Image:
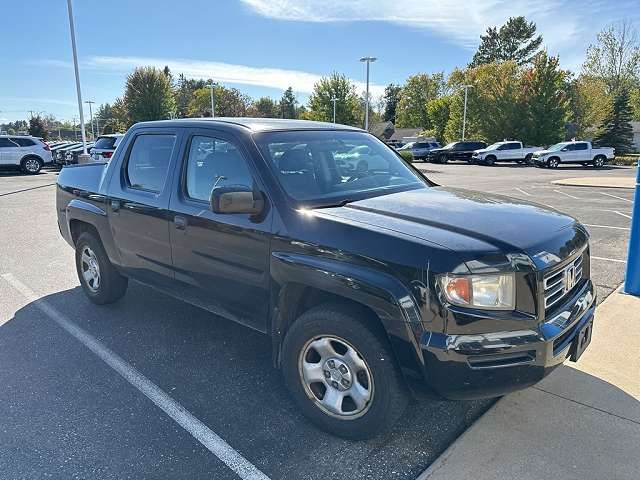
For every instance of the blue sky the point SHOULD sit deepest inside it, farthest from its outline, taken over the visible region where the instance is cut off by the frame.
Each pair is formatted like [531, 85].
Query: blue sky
[262, 46]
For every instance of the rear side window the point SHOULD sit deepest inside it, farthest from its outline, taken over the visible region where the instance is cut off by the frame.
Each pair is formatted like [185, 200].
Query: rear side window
[105, 142]
[580, 146]
[148, 161]
[214, 163]
[24, 142]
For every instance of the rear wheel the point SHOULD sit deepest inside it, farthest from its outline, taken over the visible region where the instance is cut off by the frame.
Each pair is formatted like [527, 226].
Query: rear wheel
[101, 282]
[528, 159]
[341, 374]
[31, 165]
[553, 162]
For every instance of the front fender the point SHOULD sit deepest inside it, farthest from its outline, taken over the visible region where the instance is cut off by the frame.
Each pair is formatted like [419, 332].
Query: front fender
[392, 302]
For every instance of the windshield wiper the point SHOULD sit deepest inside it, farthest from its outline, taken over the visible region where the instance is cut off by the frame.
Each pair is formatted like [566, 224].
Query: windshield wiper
[341, 203]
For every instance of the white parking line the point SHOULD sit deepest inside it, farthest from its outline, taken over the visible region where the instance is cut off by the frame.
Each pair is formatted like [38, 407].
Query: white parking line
[564, 193]
[207, 437]
[615, 196]
[522, 191]
[606, 226]
[608, 259]
[621, 214]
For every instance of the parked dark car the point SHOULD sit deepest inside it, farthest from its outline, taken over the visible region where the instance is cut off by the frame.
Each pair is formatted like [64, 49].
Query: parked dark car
[454, 151]
[370, 284]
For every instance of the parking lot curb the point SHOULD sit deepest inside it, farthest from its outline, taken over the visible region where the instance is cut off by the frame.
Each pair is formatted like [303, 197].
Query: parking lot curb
[603, 182]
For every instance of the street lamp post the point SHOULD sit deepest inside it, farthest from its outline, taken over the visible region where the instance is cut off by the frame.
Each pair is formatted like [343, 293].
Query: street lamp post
[75, 67]
[367, 60]
[93, 132]
[464, 112]
[334, 100]
[213, 102]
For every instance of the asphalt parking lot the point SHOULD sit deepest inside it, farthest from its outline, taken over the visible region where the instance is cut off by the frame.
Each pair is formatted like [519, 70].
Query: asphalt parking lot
[65, 413]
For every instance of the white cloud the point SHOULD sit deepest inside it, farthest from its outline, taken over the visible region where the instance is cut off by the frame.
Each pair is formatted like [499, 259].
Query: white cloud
[275, 78]
[566, 25]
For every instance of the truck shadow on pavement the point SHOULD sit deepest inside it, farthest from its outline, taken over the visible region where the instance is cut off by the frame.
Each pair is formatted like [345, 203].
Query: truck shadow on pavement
[222, 373]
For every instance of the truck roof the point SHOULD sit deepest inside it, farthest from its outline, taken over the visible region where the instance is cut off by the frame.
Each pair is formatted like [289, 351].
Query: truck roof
[253, 124]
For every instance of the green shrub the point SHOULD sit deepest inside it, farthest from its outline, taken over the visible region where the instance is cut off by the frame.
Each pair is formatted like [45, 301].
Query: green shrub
[629, 159]
[406, 155]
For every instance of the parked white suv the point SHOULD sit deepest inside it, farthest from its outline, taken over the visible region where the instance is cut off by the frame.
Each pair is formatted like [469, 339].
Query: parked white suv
[24, 152]
[507, 151]
[104, 147]
[573, 152]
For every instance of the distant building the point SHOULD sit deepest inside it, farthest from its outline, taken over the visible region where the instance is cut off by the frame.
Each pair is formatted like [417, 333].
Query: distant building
[388, 133]
[636, 135]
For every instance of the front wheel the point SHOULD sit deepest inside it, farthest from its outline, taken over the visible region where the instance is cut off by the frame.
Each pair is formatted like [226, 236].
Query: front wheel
[598, 162]
[553, 163]
[490, 160]
[341, 374]
[99, 279]
[443, 159]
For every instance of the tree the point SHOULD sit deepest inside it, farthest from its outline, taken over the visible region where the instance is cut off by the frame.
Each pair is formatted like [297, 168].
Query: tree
[546, 101]
[588, 104]
[516, 40]
[390, 101]
[264, 107]
[288, 104]
[229, 102]
[411, 111]
[37, 127]
[438, 112]
[148, 95]
[615, 130]
[615, 57]
[336, 85]
[183, 93]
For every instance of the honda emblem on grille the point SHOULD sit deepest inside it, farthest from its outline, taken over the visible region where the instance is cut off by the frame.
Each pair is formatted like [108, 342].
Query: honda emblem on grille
[569, 278]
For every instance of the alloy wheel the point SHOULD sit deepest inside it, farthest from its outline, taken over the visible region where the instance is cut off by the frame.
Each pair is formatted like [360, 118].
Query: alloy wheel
[336, 377]
[31, 165]
[90, 269]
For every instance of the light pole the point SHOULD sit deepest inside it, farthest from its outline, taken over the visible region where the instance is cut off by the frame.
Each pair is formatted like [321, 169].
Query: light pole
[464, 112]
[75, 67]
[334, 100]
[367, 60]
[213, 102]
[93, 132]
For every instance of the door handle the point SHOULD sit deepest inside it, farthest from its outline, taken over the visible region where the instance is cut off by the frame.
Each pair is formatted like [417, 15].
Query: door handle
[115, 205]
[180, 222]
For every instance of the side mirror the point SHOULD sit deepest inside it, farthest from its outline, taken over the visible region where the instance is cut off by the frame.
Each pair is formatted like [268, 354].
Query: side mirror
[236, 199]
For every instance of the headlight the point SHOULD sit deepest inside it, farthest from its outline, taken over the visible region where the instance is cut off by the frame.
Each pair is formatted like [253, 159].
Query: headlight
[492, 291]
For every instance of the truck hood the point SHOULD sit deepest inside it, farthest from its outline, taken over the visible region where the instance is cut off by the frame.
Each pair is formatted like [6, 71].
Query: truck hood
[470, 221]
[484, 150]
[542, 152]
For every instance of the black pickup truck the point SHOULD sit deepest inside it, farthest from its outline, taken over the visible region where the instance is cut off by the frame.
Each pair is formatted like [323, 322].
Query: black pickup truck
[455, 151]
[372, 282]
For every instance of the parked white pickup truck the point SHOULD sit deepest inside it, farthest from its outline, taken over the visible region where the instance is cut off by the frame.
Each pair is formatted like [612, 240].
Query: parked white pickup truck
[573, 152]
[508, 151]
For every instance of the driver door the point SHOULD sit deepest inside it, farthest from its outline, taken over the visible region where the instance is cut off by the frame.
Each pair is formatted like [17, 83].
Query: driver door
[220, 260]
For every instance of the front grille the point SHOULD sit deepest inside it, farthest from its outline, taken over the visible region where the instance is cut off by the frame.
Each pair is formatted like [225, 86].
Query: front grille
[561, 282]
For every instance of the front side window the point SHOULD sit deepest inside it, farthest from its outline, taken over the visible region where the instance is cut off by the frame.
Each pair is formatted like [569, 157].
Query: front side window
[214, 163]
[316, 168]
[148, 162]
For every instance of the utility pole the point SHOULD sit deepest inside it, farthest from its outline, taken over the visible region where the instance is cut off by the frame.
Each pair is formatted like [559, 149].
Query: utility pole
[77, 72]
[464, 112]
[93, 132]
[367, 60]
[213, 101]
[334, 100]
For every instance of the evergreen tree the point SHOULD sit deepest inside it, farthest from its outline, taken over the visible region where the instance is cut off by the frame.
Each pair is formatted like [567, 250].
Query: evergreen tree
[37, 127]
[615, 130]
[515, 40]
[390, 100]
[288, 104]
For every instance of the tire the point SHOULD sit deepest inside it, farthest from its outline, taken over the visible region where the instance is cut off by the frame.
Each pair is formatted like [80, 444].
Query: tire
[31, 165]
[343, 333]
[599, 161]
[528, 160]
[443, 158]
[490, 160]
[99, 279]
[553, 162]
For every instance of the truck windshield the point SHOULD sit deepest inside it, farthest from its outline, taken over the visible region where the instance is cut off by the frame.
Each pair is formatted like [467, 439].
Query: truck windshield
[328, 167]
[557, 146]
[493, 146]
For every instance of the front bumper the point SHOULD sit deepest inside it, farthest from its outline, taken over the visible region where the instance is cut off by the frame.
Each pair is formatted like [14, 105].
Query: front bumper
[496, 363]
